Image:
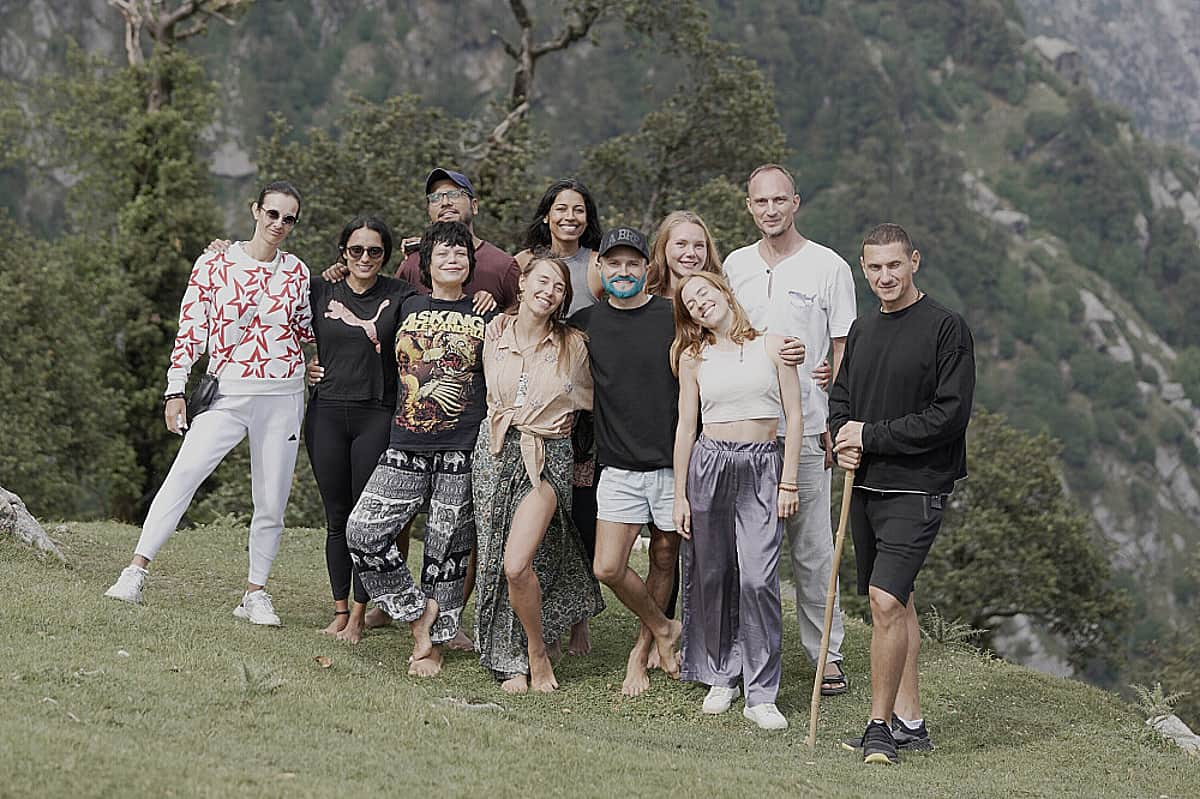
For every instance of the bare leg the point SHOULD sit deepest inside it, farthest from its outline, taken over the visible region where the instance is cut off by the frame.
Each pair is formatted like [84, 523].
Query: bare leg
[422, 643]
[889, 651]
[580, 642]
[614, 541]
[660, 579]
[352, 628]
[341, 610]
[908, 698]
[428, 666]
[528, 528]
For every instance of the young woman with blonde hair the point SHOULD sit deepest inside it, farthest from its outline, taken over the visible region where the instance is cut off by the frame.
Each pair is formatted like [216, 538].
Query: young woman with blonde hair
[732, 489]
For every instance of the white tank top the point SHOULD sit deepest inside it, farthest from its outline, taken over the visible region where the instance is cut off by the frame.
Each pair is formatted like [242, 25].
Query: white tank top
[739, 384]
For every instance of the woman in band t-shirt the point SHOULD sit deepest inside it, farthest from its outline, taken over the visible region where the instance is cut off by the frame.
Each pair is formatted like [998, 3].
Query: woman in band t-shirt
[349, 418]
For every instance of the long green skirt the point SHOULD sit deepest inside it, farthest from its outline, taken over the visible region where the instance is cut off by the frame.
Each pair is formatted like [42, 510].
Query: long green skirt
[570, 592]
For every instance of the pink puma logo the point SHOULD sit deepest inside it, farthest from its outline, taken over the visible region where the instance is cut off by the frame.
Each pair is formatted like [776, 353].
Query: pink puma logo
[341, 312]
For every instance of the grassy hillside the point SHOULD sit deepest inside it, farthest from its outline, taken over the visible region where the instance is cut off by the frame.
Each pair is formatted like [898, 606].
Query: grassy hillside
[178, 698]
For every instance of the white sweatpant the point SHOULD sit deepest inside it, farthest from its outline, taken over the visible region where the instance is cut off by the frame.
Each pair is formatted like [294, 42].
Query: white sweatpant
[810, 539]
[273, 424]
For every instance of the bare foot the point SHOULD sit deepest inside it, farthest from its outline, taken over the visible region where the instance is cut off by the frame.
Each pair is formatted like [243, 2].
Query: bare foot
[580, 642]
[541, 675]
[461, 643]
[352, 633]
[335, 626]
[422, 645]
[429, 666]
[668, 659]
[652, 661]
[377, 617]
[515, 685]
[636, 682]
[554, 650]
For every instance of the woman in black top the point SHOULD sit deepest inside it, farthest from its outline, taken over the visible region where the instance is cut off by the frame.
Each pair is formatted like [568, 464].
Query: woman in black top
[348, 422]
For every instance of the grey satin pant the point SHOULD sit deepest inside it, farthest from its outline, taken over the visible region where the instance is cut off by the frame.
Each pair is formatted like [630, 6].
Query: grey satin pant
[732, 619]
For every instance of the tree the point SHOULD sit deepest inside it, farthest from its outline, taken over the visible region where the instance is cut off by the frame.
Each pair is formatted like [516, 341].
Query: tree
[1014, 543]
[145, 207]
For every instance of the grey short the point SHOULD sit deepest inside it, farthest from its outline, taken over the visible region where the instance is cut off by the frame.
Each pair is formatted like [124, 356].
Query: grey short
[893, 533]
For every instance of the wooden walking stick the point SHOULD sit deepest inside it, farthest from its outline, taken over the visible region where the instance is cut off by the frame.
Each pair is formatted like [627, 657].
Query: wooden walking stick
[819, 677]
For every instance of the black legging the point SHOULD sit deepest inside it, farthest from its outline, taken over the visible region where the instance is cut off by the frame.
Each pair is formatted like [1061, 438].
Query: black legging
[344, 441]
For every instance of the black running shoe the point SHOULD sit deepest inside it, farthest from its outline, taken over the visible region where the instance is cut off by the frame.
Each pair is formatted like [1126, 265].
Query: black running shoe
[878, 744]
[907, 739]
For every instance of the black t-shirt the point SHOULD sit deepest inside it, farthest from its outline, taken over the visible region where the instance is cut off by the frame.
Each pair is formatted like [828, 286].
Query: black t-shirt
[356, 338]
[439, 358]
[910, 377]
[636, 401]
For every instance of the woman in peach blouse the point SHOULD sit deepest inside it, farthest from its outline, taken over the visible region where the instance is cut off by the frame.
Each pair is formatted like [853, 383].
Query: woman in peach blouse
[534, 578]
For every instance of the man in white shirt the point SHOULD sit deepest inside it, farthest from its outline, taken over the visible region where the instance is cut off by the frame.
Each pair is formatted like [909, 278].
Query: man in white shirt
[799, 289]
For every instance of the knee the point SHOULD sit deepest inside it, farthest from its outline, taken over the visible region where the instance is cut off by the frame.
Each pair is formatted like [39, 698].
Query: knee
[886, 610]
[517, 573]
[664, 551]
[606, 573]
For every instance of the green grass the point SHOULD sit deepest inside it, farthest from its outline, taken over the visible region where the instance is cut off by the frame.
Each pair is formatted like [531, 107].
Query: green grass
[178, 716]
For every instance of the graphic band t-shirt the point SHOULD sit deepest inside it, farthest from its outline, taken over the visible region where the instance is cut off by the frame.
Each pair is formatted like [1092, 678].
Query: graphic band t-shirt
[441, 396]
[356, 336]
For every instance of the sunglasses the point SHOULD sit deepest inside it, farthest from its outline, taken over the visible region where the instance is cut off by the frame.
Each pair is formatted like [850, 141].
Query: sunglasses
[356, 251]
[273, 215]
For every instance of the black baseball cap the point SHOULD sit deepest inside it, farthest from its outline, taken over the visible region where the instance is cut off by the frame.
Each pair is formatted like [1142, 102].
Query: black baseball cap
[625, 237]
[457, 178]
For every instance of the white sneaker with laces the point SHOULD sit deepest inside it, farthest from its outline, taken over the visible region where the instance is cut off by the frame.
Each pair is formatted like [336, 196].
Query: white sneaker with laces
[128, 587]
[256, 608]
[766, 716]
[720, 698]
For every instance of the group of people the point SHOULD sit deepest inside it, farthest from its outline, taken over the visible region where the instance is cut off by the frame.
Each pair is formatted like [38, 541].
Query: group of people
[544, 409]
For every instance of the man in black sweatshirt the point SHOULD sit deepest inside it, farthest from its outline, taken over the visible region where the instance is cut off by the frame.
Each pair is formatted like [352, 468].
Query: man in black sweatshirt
[898, 412]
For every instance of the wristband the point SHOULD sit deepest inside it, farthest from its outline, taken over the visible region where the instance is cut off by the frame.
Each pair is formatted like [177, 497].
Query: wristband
[177, 395]
[789, 489]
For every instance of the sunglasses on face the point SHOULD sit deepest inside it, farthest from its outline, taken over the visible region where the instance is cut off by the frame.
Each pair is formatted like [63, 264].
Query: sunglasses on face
[449, 194]
[356, 251]
[274, 215]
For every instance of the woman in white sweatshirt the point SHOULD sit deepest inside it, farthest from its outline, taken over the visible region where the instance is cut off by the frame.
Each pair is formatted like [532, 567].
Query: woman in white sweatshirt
[249, 309]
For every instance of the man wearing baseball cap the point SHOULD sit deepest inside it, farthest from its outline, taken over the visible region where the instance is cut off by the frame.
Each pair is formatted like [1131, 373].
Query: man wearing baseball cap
[450, 197]
[636, 408]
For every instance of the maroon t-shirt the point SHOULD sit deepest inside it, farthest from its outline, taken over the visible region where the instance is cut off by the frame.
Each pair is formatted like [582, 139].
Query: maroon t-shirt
[496, 272]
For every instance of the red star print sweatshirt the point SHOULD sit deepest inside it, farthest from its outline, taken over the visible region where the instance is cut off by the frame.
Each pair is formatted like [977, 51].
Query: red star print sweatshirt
[226, 287]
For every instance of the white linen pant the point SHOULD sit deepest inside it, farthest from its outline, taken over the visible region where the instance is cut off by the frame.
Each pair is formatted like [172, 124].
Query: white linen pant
[810, 539]
[273, 424]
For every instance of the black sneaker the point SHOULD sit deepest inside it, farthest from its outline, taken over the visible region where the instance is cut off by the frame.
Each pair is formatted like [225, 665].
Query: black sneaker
[907, 739]
[878, 744]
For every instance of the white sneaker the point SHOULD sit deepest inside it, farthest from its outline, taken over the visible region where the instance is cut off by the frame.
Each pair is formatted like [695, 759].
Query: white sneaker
[766, 716]
[256, 608]
[128, 587]
[719, 699]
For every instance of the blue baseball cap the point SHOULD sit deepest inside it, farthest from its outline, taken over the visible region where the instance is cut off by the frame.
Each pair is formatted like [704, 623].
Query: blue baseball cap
[457, 178]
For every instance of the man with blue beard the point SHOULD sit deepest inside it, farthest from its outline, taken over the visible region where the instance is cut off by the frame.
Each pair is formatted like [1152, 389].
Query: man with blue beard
[636, 409]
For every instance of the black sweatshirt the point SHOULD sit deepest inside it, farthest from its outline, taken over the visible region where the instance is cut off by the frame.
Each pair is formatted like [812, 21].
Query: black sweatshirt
[355, 339]
[636, 395]
[910, 377]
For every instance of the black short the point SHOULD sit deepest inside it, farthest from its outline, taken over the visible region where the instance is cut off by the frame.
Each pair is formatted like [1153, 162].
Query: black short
[892, 535]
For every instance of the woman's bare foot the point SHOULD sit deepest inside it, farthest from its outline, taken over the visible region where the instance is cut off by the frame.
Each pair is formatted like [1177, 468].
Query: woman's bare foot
[429, 666]
[668, 659]
[337, 625]
[461, 643]
[580, 642]
[422, 644]
[351, 633]
[554, 650]
[652, 661]
[377, 617]
[515, 685]
[541, 675]
[636, 682]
